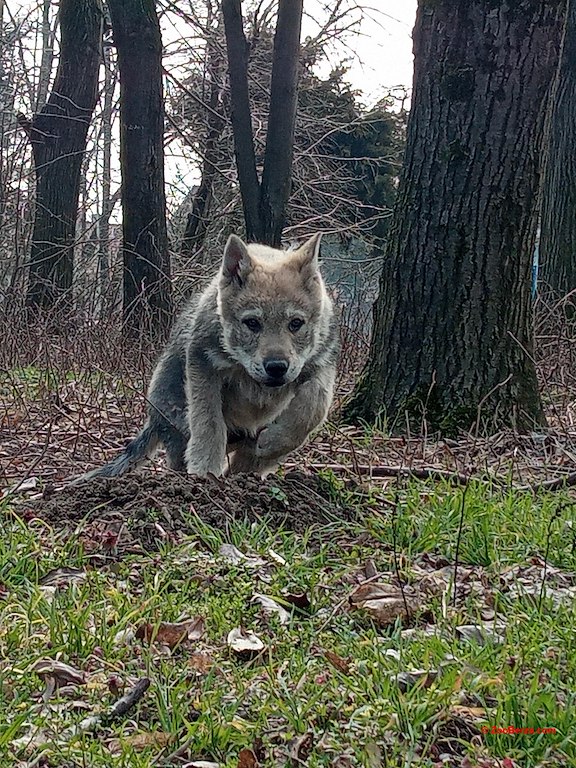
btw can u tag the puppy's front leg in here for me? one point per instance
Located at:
(206, 450)
(306, 411)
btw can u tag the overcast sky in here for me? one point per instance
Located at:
(385, 48)
(381, 55)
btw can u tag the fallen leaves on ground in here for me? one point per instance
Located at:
(171, 635)
(385, 603)
(244, 643)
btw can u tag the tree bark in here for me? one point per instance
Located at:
(238, 51)
(103, 258)
(452, 340)
(558, 228)
(265, 204)
(197, 220)
(58, 137)
(147, 289)
(276, 176)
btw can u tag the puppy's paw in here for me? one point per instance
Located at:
(267, 442)
(201, 466)
(274, 442)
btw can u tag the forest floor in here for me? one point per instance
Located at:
(370, 605)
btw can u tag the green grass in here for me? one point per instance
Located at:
(358, 711)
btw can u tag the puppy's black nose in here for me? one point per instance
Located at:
(276, 368)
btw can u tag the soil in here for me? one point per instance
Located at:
(146, 510)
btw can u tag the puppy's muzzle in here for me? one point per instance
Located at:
(276, 369)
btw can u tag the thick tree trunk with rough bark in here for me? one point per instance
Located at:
(58, 137)
(558, 228)
(265, 203)
(452, 340)
(147, 289)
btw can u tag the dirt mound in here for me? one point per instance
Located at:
(146, 510)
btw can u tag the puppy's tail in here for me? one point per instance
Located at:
(135, 453)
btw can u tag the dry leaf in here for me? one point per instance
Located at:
(299, 600)
(58, 577)
(385, 603)
(244, 643)
(59, 672)
(480, 634)
(31, 741)
(233, 555)
(247, 759)
(278, 559)
(300, 748)
(201, 663)
(341, 664)
(172, 635)
(272, 608)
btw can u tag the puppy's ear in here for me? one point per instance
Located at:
(308, 256)
(236, 264)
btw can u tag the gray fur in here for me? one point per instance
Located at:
(213, 403)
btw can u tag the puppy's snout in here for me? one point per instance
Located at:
(276, 367)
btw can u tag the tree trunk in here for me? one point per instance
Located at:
(452, 341)
(197, 221)
(147, 289)
(58, 137)
(47, 59)
(558, 229)
(241, 117)
(276, 176)
(265, 204)
(103, 259)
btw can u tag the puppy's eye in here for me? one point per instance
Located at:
(253, 324)
(295, 324)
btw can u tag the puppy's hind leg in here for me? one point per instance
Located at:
(175, 451)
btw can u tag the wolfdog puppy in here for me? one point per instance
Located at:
(248, 371)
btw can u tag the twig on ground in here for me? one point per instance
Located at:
(118, 710)
(554, 484)
(380, 470)
(129, 700)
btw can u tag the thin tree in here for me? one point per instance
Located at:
(452, 341)
(147, 288)
(558, 228)
(58, 137)
(264, 202)
(197, 220)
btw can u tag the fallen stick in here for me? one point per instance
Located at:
(380, 470)
(555, 484)
(129, 700)
(432, 473)
(118, 710)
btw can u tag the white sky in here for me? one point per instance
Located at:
(385, 48)
(381, 54)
